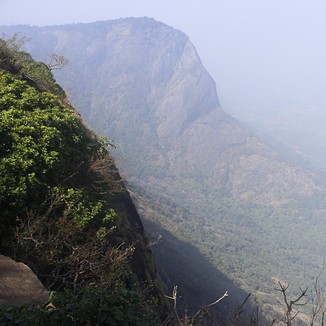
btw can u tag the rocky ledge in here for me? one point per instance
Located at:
(18, 284)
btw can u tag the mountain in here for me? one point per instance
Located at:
(223, 199)
(139, 70)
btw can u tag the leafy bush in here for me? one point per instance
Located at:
(41, 143)
(63, 247)
(101, 306)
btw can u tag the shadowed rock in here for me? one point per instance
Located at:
(18, 284)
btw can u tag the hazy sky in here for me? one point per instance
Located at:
(260, 52)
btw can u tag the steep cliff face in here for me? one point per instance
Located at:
(147, 89)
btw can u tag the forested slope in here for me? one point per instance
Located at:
(199, 176)
(65, 211)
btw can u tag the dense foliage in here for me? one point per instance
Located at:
(92, 307)
(41, 143)
(267, 245)
(64, 207)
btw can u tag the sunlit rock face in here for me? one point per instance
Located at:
(142, 83)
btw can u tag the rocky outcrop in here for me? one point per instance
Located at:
(18, 284)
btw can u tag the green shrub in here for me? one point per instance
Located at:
(41, 142)
(102, 306)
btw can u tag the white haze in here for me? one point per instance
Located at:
(268, 58)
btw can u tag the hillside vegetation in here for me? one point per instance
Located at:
(65, 210)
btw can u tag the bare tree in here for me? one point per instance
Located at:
(57, 61)
(240, 311)
(289, 304)
(318, 301)
(188, 320)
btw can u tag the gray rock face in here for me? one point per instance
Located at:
(18, 284)
(142, 84)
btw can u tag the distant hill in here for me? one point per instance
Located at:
(296, 122)
(198, 176)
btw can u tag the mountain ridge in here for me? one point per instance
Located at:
(177, 70)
